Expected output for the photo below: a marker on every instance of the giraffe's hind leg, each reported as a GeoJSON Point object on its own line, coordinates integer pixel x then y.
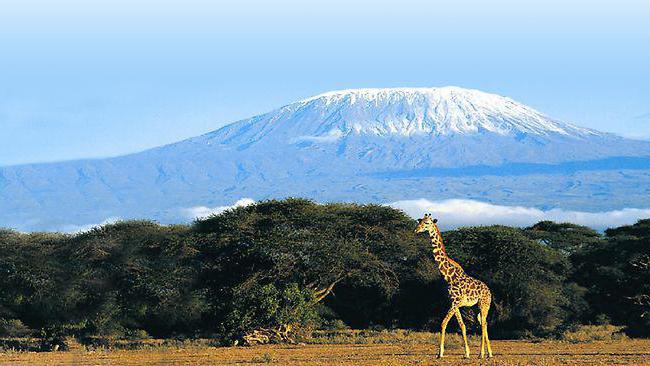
{"type": "Point", "coordinates": [485, 340]}
{"type": "Point", "coordinates": [459, 317]}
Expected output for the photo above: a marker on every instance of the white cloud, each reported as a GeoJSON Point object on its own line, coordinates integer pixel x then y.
{"type": "Point", "coordinates": [199, 212]}
{"type": "Point", "coordinates": [76, 229]}
{"type": "Point", "coordinates": [455, 213]}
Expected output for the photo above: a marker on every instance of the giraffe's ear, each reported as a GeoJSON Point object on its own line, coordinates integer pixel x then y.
{"type": "Point", "coordinates": [435, 220]}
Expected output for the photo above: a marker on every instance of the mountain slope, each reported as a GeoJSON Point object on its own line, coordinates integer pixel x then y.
{"type": "Point", "coordinates": [368, 145]}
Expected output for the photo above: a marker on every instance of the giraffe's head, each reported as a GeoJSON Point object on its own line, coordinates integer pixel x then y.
{"type": "Point", "coordinates": [426, 224]}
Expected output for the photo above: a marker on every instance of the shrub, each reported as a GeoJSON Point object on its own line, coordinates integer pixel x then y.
{"type": "Point", "coordinates": [616, 273]}
{"type": "Point", "coordinates": [14, 328]}
{"type": "Point", "coordinates": [590, 333]}
{"type": "Point", "coordinates": [267, 307]}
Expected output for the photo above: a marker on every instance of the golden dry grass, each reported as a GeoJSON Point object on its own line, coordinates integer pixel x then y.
{"type": "Point", "coordinates": [507, 353]}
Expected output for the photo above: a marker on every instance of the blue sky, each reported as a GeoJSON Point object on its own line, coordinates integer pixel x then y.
{"type": "Point", "coordinates": [91, 79]}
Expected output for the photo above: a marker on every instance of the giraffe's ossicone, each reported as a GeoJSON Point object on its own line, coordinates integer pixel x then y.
{"type": "Point", "coordinates": [463, 289]}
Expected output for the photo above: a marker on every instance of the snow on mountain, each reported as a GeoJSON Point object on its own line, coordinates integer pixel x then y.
{"type": "Point", "coordinates": [410, 128]}
{"type": "Point", "coordinates": [436, 111]}
{"type": "Point", "coordinates": [364, 145]}
{"type": "Point", "coordinates": [400, 112]}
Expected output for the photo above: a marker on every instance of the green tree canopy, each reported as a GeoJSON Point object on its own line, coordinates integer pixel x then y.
{"type": "Point", "coordinates": [565, 237]}
{"type": "Point", "coordinates": [617, 274]}
{"type": "Point", "coordinates": [298, 242]}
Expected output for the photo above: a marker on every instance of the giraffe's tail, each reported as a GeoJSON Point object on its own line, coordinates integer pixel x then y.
{"type": "Point", "coordinates": [478, 317]}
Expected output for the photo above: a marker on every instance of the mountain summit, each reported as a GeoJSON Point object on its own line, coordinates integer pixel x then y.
{"type": "Point", "coordinates": [406, 112]}
{"type": "Point", "coordinates": [363, 145]}
{"type": "Point", "coordinates": [437, 111]}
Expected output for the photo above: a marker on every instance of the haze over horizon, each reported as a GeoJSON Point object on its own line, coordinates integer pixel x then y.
{"type": "Point", "coordinates": [85, 80]}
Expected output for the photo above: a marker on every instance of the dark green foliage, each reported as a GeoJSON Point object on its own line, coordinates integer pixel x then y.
{"type": "Point", "coordinates": [297, 263]}
{"type": "Point", "coordinates": [14, 328]}
{"type": "Point", "coordinates": [31, 280]}
{"type": "Point", "coordinates": [570, 240]}
{"type": "Point", "coordinates": [122, 276]}
{"type": "Point", "coordinates": [136, 275]}
{"type": "Point", "coordinates": [617, 274]}
{"type": "Point", "coordinates": [320, 248]}
{"type": "Point", "coordinates": [264, 307]}
{"type": "Point", "coordinates": [565, 237]}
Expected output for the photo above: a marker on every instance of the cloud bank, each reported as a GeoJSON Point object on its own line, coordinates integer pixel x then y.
{"type": "Point", "coordinates": [199, 212]}
{"type": "Point", "coordinates": [455, 213]}
{"type": "Point", "coordinates": [452, 213]}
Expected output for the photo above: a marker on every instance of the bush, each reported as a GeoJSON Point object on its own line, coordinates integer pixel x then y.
{"type": "Point", "coordinates": [590, 333]}
{"type": "Point", "coordinates": [137, 334]}
{"type": "Point", "coordinates": [267, 307]}
{"type": "Point", "coordinates": [14, 328]}
{"type": "Point", "coordinates": [616, 273]}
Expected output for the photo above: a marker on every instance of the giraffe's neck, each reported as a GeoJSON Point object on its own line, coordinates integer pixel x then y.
{"type": "Point", "coordinates": [449, 269]}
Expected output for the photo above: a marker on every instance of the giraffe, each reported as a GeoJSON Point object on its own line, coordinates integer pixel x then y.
{"type": "Point", "coordinates": [463, 289]}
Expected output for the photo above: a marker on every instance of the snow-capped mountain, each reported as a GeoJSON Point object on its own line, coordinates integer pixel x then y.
{"type": "Point", "coordinates": [402, 112]}
{"type": "Point", "coordinates": [366, 145]}
{"type": "Point", "coordinates": [410, 128]}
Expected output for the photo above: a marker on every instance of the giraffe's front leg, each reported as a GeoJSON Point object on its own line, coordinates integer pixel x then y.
{"type": "Point", "coordinates": [444, 329]}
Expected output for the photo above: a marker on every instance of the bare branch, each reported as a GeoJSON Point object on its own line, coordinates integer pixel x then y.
{"type": "Point", "coordinates": [323, 293]}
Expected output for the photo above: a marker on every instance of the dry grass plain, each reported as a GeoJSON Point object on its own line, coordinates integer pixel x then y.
{"type": "Point", "coordinates": [507, 353]}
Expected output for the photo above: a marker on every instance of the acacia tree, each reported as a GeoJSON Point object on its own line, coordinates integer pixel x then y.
{"type": "Point", "coordinates": [31, 287]}
{"type": "Point", "coordinates": [114, 280]}
{"type": "Point", "coordinates": [566, 237]}
{"type": "Point", "coordinates": [616, 273]}
{"type": "Point", "coordinates": [133, 275]}
{"type": "Point", "coordinates": [296, 244]}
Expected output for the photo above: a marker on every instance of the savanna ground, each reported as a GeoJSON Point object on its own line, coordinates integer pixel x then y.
{"type": "Point", "coordinates": [409, 349]}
